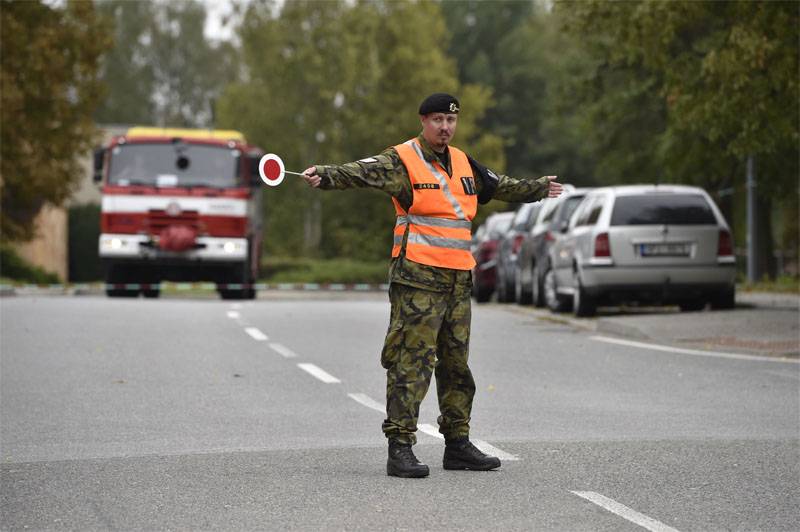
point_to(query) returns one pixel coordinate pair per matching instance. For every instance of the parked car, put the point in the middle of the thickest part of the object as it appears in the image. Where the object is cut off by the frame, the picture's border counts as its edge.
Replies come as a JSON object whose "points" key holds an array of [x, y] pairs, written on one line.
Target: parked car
{"points": [[508, 251], [645, 243], [484, 249], [534, 256]]}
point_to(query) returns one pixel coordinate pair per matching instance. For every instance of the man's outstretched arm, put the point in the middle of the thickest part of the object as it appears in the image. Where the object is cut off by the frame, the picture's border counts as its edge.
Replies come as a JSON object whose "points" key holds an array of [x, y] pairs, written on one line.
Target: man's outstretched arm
{"points": [[383, 172]]}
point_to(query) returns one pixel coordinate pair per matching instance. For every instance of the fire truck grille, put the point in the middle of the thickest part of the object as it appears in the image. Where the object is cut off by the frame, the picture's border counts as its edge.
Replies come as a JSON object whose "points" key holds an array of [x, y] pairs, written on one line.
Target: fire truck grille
{"points": [[159, 219]]}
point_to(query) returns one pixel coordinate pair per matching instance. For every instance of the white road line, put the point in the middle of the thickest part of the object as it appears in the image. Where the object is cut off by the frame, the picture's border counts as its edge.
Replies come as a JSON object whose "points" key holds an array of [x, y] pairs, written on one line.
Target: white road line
{"points": [[367, 401], [282, 350], [232, 314], [319, 373], [694, 352], [256, 334], [494, 451], [623, 511], [430, 430]]}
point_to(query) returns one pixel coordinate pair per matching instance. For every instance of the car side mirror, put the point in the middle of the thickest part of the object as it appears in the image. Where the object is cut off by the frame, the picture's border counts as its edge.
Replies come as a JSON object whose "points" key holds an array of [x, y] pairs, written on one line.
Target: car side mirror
{"points": [[99, 160], [252, 161]]}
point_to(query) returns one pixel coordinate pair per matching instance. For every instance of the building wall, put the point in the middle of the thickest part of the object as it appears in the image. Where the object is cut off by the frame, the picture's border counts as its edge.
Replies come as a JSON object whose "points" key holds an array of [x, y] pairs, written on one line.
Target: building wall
{"points": [[49, 249]]}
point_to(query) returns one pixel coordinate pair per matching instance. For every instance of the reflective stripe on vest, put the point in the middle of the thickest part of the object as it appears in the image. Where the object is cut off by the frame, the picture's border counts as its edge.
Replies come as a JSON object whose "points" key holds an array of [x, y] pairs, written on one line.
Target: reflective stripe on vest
{"points": [[439, 222], [433, 222]]}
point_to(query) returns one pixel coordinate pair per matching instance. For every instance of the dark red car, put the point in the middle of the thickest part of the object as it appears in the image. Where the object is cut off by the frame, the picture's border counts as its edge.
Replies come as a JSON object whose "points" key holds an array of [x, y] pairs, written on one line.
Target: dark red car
{"points": [[484, 248]]}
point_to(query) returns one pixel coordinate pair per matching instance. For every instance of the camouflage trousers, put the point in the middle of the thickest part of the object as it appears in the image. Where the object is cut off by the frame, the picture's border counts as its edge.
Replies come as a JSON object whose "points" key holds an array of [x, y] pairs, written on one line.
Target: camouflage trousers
{"points": [[428, 333]]}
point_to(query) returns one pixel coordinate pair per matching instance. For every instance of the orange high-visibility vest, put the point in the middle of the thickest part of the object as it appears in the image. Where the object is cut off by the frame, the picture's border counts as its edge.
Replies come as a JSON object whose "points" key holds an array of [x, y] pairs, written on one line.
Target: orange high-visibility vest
{"points": [[439, 222]]}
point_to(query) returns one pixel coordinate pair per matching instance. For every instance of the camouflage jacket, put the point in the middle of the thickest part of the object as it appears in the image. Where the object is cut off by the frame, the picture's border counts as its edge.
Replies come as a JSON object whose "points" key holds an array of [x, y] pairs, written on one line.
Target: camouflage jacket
{"points": [[386, 172]]}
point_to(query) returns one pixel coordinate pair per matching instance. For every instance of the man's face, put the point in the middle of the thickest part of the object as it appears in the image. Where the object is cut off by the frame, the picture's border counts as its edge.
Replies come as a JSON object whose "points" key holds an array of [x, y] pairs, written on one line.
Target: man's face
{"points": [[438, 129]]}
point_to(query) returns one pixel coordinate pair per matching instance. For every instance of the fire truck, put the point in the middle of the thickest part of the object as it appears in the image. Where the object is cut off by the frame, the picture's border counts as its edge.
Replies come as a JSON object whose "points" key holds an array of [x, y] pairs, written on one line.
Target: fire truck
{"points": [[179, 205]]}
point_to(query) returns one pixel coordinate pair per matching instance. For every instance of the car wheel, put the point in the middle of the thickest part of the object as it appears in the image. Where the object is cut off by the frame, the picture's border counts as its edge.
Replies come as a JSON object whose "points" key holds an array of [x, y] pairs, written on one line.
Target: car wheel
{"points": [[692, 305], [724, 300], [555, 302], [583, 304], [482, 295], [523, 297], [502, 287], [537, 290]]}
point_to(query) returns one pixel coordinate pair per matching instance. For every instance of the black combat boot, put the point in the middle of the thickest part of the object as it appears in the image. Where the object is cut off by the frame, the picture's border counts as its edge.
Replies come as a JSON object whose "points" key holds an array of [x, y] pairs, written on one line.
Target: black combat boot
{"points": [[403, 463], [461, 454]]}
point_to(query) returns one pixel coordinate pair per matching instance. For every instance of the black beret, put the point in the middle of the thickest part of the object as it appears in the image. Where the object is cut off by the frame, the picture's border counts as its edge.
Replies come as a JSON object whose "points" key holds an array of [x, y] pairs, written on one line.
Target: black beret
{"points": [[439, 103]]}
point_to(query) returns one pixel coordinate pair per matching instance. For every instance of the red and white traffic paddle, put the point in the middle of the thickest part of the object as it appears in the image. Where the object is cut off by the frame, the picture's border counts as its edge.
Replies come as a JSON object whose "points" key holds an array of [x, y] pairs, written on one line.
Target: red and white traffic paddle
{"points": [[272, 171]]}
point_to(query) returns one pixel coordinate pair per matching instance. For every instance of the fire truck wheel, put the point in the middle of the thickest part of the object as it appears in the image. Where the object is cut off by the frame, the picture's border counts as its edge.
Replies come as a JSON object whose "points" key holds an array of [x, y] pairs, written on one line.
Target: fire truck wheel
{"points": [[240, 276], [117, 277]]}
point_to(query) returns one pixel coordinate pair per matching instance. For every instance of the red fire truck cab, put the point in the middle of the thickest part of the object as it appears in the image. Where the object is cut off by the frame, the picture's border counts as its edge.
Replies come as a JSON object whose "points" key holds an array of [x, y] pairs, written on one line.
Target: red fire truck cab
{"points": [[179, 205]]}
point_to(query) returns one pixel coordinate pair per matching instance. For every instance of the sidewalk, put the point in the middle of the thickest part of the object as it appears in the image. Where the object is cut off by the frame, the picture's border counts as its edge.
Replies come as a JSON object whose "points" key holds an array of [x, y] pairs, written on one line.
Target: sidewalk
{"points": [[763, 323]]}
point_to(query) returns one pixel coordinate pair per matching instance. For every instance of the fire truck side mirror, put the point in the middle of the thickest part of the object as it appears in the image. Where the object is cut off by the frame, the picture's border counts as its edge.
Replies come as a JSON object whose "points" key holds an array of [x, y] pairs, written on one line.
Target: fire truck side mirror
{"points": [[253, 159], [99, 159]]}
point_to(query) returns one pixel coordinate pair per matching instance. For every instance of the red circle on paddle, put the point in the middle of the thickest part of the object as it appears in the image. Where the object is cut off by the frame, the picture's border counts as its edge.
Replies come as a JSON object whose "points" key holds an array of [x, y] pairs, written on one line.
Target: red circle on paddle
{"points": [[271, 169]]}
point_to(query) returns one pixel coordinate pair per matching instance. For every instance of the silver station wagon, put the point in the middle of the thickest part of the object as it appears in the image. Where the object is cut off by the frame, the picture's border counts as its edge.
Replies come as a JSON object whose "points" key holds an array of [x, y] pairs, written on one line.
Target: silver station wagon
{"points": [[664, 244]]}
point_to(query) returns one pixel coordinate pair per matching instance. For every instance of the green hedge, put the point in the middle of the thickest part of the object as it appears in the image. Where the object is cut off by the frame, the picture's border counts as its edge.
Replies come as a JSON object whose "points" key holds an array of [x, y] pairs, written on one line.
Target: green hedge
{"points": [[298, 270], [15, 268], [84, 232]]}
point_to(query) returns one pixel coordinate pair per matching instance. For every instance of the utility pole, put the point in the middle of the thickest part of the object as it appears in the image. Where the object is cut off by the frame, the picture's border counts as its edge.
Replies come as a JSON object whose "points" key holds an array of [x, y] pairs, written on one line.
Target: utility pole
{"points": [[752, 243]]}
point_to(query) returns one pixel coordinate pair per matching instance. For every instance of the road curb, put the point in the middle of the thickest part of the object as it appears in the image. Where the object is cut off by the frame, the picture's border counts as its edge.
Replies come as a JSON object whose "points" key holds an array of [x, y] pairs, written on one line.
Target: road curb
{"points": [[82, 289]]}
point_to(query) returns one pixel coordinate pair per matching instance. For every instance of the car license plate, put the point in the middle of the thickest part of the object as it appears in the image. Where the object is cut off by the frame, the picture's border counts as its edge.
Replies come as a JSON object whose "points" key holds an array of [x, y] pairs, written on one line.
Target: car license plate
{"points": [[664, 250]]}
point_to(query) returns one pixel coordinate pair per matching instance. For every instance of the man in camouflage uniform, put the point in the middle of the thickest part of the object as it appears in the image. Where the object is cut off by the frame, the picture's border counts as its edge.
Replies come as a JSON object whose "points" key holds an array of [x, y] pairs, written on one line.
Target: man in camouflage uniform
{"points": [[430, 306]]}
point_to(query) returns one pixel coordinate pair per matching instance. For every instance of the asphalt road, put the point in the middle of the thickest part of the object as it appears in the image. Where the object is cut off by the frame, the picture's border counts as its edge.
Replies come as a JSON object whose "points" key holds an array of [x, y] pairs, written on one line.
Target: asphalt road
{"points": [[190, 414]]}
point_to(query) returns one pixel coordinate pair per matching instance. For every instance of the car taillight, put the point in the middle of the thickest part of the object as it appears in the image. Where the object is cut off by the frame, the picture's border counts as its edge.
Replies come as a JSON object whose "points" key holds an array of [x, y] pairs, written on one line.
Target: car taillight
{"points": [[602, 248], [725, 247], [517, 243], [488, 251], [549, 236]]}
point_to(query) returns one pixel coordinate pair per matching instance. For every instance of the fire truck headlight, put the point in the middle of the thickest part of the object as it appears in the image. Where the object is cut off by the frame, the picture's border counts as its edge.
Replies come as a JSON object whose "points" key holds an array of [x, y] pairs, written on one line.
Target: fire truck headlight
{"points": [[113, 243], [230, 247]]}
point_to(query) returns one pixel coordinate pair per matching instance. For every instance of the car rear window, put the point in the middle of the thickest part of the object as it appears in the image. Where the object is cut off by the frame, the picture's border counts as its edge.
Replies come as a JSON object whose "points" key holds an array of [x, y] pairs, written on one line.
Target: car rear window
{"points": [[498, 225], [660, 209], [570, 204]]}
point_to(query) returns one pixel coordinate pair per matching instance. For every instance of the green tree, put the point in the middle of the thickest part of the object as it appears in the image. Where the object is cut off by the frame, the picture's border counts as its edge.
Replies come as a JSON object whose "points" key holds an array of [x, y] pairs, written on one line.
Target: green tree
{"points": [[127, 69], [331, 82], [162, 69], [515, 48], [50, 89], [719, 81]]}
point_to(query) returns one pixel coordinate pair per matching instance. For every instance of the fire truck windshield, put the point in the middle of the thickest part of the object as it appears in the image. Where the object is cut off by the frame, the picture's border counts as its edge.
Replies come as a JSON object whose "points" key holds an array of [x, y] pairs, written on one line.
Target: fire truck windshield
{"points": [[181, 165]]}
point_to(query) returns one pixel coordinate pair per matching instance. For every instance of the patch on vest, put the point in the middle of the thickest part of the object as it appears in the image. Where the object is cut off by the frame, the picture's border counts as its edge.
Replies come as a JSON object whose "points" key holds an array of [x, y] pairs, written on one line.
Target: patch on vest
{"points": [[426, 186], [469, 186]]}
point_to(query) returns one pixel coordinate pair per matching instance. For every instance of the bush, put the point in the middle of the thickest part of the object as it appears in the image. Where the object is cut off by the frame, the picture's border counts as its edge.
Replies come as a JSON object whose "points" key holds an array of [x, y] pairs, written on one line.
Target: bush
{"points": [[14, 267]]}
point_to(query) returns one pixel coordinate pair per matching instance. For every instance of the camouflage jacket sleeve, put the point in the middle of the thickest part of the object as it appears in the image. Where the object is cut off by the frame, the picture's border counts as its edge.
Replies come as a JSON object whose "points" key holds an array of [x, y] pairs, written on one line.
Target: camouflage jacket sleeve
{"points": [[506, 188], [384, 172], [521, 190]]}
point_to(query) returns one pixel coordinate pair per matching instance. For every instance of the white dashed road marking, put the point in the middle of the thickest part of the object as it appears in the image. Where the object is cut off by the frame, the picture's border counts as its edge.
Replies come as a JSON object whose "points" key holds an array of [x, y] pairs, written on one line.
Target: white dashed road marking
{"points": [[694, 352], [319, 373], [430, 430], [282, 350], [232, 314], [367, 401], [491, 450], [256, 334], [623, 511]]}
